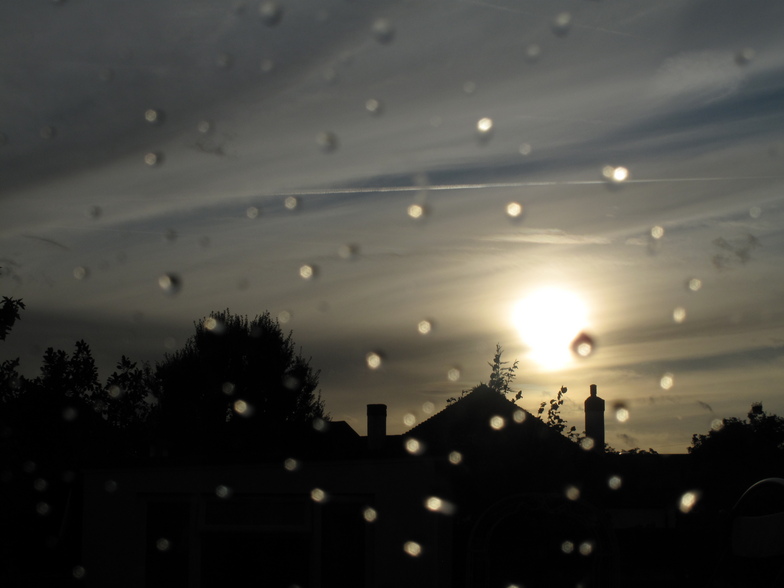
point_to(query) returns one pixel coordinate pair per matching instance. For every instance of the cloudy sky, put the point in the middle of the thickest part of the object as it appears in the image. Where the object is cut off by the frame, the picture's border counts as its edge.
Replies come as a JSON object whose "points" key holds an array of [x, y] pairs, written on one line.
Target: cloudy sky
{"points": [[639, 144]]}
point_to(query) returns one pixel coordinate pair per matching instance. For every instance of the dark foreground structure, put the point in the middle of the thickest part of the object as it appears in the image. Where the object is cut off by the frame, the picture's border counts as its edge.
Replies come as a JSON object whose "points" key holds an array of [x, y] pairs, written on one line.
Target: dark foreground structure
{"points": [[480, 494]]}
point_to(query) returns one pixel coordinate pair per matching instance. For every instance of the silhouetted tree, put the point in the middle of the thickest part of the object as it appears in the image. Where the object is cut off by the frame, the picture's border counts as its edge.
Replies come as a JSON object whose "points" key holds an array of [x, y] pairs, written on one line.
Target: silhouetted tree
{"points": [[9, 314], [237, 384], [554, 419], [501, 377]]}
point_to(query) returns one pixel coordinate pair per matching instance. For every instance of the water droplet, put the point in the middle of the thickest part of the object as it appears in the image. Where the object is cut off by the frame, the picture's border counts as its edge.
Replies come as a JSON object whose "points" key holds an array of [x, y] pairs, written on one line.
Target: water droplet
{"points": [[621, 413], [695, 284], [227, 388], [414, 447], [586, 548], [47, 132], [417, 211], [469, 87], [170, 284], [284, 316], [562, 23], [318, 495], [614, 482], [370, 515], [374, 107], [428, 407], [267, 65], [327, 141], [688, 501], [587, 443], [679, 314], [373, 360], [80, 272], [114, 391], [163, 544], [425, 327], [455, 457], [572, 492], [514, 210], [170, 343], [497, 423], [615, 174], [40, 484], [667, 381], [717, 424], [755, 212], [583, 345], [70, 414], [567, 547], [43, 509], [519, 416], [291, 203], [154, 116], [319, 425], [153, 159], [453, 374], [291, 465], [242, 408], [111, 486], [532, 53], [525, 149], [252, 212], [383, 31], [484, 129], [308, 272], [412, 548], [657, 232], [222, 491], [348, 251], [745, 55], [409, 419], [270, 12], [78, 572]]}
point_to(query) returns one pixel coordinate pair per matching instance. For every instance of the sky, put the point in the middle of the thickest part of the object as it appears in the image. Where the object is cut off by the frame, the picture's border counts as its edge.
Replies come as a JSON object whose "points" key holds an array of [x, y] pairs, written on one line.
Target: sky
{"points": [[234, 146]]}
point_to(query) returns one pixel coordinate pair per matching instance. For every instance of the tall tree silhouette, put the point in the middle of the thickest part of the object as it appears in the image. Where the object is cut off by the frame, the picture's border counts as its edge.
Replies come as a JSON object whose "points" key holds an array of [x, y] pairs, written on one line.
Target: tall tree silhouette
{"points": [[237, 385]]}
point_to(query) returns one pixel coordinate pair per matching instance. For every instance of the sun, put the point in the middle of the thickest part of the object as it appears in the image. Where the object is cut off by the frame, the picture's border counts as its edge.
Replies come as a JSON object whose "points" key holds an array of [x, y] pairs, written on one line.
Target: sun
{"points": [[548, 320]]}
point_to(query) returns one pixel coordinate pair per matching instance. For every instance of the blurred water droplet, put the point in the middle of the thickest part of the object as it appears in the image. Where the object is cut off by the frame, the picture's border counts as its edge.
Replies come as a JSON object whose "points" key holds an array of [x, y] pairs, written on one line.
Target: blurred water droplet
{"points": [[170, 284], [78, 572], [497, 423], [428, 407], [40, 484], [327, 141], [320, 425], [615, 174], [318, 495], [688, 501], [532, 53], [414, 447], [383, 31], [162, 544], [284, 316], [425, 327], [252, 212], [114, 391], [436, 504], [409, 420], [717, 424], [222, 491], [484, 129], [242, 408], [417, 211], [744, 56], [267, 65], [228, 388], [291, 464], [514, 210], [169, 343], [291, 203], [154, 116], [562, 23], [412, 548], [373, 360], [111, 486], [519, 416], [469, 87], [755, 212], [453, 374], [586, 548], [679, 314], [621, 412], [308, 272], [567, 547], [614, 482], [348, 251], [271, 13], [70, 413], [370, 515], [667, 381], [29, 467], [43, 509], [695, 284], [205, 127], [583, 345], [80, 272], [455, 457], [657, 232], [572, 492], [374, 107], [587, 443], [153, 159]]}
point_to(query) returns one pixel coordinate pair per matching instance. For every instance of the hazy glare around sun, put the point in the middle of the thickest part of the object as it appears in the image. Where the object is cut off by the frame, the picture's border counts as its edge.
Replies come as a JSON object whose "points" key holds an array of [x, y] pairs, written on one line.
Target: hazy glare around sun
{"points": [[548, 320]]}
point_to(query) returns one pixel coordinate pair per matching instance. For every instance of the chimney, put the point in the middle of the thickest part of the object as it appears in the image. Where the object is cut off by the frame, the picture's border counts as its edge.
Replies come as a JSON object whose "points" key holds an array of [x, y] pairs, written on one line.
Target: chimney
{"points": [[594, 419], [376, 426]]}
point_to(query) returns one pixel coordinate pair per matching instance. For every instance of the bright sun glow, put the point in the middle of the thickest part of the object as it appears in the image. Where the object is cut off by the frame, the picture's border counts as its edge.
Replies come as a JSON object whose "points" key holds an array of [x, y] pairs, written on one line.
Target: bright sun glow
{"points": [[548, 320]]}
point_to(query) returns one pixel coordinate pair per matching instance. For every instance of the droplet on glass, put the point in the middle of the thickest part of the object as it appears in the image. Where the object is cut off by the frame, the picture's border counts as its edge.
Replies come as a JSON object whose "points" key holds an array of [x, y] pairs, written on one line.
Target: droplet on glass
{"points": [[679, 314], [532, 53], [252, 212], [242, 408], [70, 414], [615, 174], [417, 211], [153, 159], [154, 116], [755, 212], [170, 284], [284, 316], [525, 149], [562, 23], [373, 360], [572, 493], [80, 272], [291, 465], [115, 391], [383, 31], [412, 548], [428, 407], [567, 547], [436, 504], [455, 457], [318, 495], [667, 381], [425, 327], [469, 87], [586, 548], [348, 251], [47, 132], [621, 412], [205, 127], [327, 141], [745, 55], [222, 491], [453, 375], [40, 485], [267, 65], [320, 425], [270, 12], [370, 515], [484, 129], [111, 486], [583, 345], [214, 325], [514, 210], [688, 501], [695, 284], [414, 447], [78, 572], [43, 509], [518, 416], [497, 423], [614, 482], [657, 232], [228, 388], [374, 107], [587, 443], [162, 544], [409, 419], [308, 272]]}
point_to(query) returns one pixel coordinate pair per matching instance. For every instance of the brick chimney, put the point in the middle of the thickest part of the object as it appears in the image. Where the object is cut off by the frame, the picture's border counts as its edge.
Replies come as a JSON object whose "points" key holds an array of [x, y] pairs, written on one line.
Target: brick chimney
{"points": [[376, 426], [594, 419]]}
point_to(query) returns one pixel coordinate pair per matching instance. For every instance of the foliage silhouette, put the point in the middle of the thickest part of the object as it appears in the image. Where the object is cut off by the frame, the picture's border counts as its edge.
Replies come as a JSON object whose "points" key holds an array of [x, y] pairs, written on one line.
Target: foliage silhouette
{"points": [[9, 314], [236, 385], [501, 377]]}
